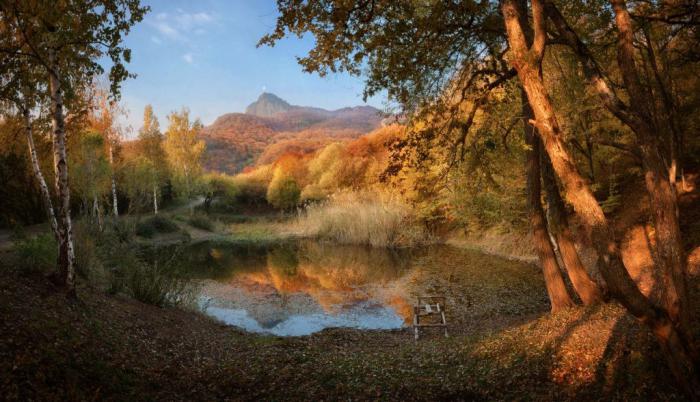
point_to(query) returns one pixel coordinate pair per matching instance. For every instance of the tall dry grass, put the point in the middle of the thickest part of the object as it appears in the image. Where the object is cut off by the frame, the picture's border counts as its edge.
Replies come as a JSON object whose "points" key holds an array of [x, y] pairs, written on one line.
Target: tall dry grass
{"points": [[498, 241], [374, 219]]}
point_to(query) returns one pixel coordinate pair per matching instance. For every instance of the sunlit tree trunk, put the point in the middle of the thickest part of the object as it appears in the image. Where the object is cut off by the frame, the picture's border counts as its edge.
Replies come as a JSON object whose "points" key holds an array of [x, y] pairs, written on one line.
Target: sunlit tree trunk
{"points": [[585, 287], [45, 194], [66, 255], [556, 288], [527, 62], [657, 175]]}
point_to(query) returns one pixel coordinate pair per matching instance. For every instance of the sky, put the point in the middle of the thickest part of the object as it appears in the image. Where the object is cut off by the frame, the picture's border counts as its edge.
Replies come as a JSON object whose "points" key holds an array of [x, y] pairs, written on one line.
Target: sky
{"points": [[202, 55]]}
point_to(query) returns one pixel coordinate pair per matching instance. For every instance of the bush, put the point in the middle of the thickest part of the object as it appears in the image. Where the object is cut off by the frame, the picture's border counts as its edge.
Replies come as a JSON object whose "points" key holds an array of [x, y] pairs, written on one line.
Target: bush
{"points": [[38, 254], [159, 283], [154, 225], [155, 281], [201, 221], [374, 220], [85, 244], [252, 186], [283, 192]]}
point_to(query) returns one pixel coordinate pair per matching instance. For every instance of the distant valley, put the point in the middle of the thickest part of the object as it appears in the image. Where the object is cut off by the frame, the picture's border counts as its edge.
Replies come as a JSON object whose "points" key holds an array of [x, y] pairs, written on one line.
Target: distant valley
{"points": [[271, 127]]}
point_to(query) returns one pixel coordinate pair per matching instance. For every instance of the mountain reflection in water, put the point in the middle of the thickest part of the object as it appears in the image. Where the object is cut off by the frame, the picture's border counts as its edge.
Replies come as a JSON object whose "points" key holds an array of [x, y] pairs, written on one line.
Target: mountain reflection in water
{"points": [[301, 288]]}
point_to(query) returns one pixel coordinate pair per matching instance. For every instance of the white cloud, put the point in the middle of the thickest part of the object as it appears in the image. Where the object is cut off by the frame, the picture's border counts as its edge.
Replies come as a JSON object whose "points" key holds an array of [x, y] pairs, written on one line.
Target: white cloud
{"points": [[156, 40], [188, 58], [165, 29], [179, 26]]}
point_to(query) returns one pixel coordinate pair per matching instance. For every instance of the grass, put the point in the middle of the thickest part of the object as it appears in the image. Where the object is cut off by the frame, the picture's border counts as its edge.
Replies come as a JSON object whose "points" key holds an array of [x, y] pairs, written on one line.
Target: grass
{"points": [[201, 221], [153, 225], [373, 220], [37, 254], [498, 241]]}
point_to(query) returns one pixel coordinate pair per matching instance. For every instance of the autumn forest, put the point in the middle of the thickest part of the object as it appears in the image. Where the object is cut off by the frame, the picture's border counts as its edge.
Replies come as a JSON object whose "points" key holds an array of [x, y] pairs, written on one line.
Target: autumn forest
{"points": [[510, 208]]}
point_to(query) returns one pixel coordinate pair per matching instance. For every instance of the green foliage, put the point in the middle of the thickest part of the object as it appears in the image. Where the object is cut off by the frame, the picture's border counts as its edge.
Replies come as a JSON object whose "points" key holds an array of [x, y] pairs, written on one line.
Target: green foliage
{"points": [[145, 274], [158, 284], [201, 221], [38, 254], [222, 192], [184, 152], [90, 169], [252, 186], [283, 191], [139, 177], [155, 225], [88, 265]]}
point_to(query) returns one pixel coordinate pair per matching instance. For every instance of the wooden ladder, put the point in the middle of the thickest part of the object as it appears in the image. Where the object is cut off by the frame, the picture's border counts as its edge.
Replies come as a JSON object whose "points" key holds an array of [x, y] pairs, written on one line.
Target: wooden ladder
{"points": [[429, 306]]}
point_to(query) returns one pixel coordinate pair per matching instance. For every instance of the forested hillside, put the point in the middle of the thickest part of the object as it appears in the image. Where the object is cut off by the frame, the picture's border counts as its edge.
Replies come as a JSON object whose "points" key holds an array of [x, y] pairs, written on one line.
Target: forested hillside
{"points": [[271, 127]]}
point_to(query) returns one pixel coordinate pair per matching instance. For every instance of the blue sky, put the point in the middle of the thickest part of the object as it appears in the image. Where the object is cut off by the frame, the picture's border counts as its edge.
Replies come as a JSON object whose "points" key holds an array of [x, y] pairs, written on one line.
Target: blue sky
{"points": [[202, 54]]}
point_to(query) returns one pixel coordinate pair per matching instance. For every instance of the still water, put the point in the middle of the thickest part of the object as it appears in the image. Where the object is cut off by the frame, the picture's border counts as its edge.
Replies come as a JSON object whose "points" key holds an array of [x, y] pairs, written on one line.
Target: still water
{"points": [[301, 288]]}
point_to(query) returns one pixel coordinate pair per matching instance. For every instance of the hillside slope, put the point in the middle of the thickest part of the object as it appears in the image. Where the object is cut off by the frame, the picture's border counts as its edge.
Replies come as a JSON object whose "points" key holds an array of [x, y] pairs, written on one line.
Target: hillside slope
{"points": [[236, 140]]}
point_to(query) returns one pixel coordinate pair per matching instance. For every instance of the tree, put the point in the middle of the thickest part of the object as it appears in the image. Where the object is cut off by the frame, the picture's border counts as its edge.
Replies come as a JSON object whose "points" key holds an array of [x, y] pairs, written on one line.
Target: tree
{"points": [[92, 173], [427, 54], [283, 191], [65, 40], [151, 145], [665, 321], [138, 176], [104, 120], [184, 151]]}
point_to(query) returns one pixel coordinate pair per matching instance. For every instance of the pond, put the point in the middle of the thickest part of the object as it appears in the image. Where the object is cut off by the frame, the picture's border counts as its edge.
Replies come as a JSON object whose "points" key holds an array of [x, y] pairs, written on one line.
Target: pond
{"points": [[299, 288]]}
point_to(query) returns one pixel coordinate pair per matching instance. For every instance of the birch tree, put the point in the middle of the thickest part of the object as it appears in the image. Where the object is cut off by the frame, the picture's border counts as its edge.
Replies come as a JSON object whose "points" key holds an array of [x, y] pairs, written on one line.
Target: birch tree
{"points": [[151, 145], [184, 151], [65, 40]]}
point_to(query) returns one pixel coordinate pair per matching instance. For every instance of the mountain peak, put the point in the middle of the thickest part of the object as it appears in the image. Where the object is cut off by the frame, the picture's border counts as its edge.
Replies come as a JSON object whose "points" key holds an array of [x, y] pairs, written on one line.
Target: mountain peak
{"points": [[267, 105]]}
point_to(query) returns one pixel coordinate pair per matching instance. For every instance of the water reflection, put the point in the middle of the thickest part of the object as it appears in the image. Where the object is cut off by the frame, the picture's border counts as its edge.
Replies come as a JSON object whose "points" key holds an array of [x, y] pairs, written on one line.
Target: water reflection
{"points": [[301, 288]]}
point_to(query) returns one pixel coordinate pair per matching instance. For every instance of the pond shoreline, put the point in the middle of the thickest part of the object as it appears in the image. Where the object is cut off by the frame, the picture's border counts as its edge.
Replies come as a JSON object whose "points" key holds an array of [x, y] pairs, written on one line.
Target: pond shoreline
{"points": [[115, 348]]}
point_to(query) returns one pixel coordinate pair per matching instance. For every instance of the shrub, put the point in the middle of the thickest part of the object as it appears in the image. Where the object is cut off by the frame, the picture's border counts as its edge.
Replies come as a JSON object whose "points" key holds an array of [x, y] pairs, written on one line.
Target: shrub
{"points": [[352, 218], [85, 244], [155, 281], [159, 283], [201, 221], [283, 192], [120, 229], [38, 254], [252, 185], [154, 225]]}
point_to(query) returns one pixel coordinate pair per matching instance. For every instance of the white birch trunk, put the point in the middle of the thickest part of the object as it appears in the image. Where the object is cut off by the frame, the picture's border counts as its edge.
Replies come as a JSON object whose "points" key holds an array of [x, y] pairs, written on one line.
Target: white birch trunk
{"points": [[45, 194], [115, 208], [66, 254], [155, 199]]}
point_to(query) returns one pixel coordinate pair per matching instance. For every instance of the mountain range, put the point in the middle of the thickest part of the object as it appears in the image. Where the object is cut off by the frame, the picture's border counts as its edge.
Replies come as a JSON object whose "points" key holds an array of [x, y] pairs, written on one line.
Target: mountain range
{"points": [[271, 127]]}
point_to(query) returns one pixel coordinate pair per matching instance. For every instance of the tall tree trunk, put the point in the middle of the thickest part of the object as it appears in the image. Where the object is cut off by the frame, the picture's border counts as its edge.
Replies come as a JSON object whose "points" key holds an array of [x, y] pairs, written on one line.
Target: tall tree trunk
{"points": [[662, 195], [585, 287], [115, 206], [155, 199], [66, 254], [556, 288], [45, 194], [527, 62]]}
